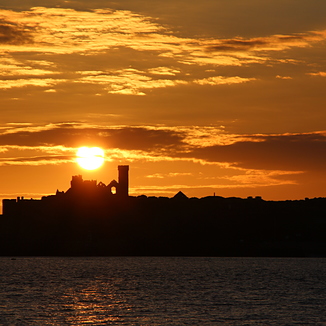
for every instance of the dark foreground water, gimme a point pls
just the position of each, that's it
(162, 291)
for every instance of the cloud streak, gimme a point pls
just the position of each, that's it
(173, 157)
(74, 135)
(289, 152)
(279, 152)
(270, 43)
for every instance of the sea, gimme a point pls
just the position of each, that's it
(162, 291)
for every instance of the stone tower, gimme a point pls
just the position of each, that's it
(123, 180)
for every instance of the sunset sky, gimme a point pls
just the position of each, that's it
(210, 96)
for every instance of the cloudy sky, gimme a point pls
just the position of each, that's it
(224, 97)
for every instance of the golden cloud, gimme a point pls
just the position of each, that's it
(167, 175)
(320, 74)
(128, 81)
(269, 43)
(63, 31)
(38, 82)
(256, 178)
(283, 77)
(58, 33)
(220, 80)
(164, 71)
(10, 67)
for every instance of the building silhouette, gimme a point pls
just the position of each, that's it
(80, 191)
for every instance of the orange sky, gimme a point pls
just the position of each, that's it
(224, 97)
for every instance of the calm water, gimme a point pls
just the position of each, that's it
(162, 291)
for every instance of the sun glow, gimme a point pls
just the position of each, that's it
(90, 158)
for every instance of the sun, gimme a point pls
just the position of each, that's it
(90, 158)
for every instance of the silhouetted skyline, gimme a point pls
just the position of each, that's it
(91, 219)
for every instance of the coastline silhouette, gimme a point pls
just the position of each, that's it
(94, 219)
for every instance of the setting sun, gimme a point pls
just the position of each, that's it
(90, 158)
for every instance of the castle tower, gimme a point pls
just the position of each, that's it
(76, 182)
(123, 181)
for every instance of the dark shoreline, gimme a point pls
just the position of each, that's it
(151, 226)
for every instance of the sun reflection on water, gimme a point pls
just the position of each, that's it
(94, 304)
(151, 291)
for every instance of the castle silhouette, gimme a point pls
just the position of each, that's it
(119, 189)
(79, 190)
